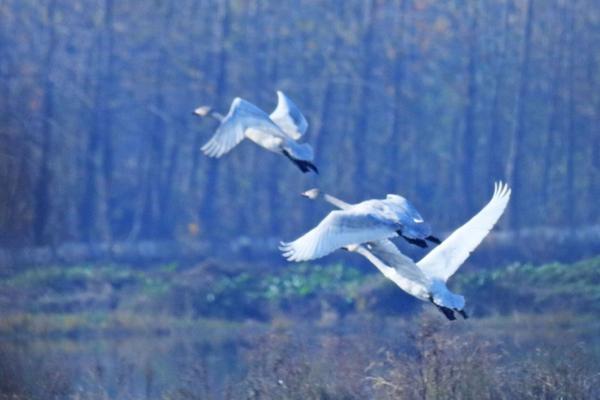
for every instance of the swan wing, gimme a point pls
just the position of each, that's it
(390, 256)
(443, 261)
(288, 117)
(241, 116)
(340, 228)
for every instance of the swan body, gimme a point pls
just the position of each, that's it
(426, 279)
(277, 132)
(367, 221)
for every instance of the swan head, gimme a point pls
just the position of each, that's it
(311, 193)
(395, 198)
(203, 111)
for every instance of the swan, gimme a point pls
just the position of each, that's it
(359, 223)
(426, 280)
(277, 132)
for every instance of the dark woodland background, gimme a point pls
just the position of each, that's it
(432, 100)
(134, 267)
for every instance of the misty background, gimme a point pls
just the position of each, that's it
(133, 266)
(431, 100)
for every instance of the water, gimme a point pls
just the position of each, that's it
(134, 367)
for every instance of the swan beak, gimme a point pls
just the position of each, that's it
(202, 111)
(311, 193)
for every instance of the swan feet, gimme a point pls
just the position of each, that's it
(448, 313)
(305, 166)
(420, 242)
(417, 242)
(433, 239)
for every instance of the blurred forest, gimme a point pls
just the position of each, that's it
(128, 259)
(432, 100)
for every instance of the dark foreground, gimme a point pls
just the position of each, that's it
(212, 332)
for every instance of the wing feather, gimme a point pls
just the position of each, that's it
(390, 256)
(443, 261)
(338, 229)
(288, 117)
(232, 130)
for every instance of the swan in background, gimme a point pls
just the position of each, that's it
(360, 223)
(426, 280)
(277, 132)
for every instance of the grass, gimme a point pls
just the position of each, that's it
(119, 299)
(209, 331)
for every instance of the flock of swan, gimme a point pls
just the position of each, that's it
(364, 228)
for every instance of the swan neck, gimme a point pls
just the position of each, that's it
(218, 116)
(336, 202)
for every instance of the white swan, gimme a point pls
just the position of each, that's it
(277, 132)
(360, 223)
(426, 280)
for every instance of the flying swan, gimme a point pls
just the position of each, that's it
(360, 223)
(277, 132)
(426, 280)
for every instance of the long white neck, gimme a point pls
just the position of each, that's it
(336, 202)
(219, 117)
(411, 287)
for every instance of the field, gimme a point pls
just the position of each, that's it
(206, 330)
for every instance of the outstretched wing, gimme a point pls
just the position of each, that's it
(288, 117)
(338, 229)
(389, 255)
(242, 114)
(443, 261)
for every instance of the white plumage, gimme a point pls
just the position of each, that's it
(341, 228)
(358, 223)
(277, 133)
(288, 117)
(443, 261)
(426, 279)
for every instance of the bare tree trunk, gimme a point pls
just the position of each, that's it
(163, 170)
(571, 209)
(94, 213)
(107, 134)
(469, 139)
(399, 102)
(495, 139)
(515, 153)
(207, 209)
(275, 199)
(549, 163)
(364, 92)
(593, 187)
(41, 190)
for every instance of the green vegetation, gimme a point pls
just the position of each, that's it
(247, 332)
(553, 287)
(97, 299)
